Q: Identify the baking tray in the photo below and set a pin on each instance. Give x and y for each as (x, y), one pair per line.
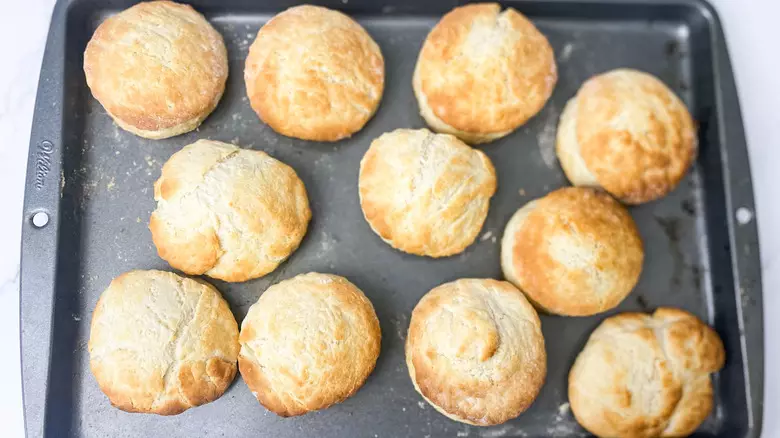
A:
(94, 181)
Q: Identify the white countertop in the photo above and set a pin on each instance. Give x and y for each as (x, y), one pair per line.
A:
(752, 34)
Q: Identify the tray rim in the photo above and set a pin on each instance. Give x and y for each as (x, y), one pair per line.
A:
(39, 247)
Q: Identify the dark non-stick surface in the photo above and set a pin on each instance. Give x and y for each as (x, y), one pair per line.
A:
(107, 197)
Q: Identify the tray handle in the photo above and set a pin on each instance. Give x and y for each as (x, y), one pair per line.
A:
(741, 222)
(40, 230)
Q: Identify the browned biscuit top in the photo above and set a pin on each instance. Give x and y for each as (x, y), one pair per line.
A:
(635, 135)
(156, 65)
(160, 343)
(314, 73)
(576, 251)
(475, 351)
(484, 71)
(645, 375)
(309, 342)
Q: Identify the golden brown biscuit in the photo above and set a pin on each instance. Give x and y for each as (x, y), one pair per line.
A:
(161, 344)
(158, 68)
(573, 252)
(475, 351)
(482, 73)
(646, 376)
(315, 74)
(425, 193)
(230, 213)
(309, 342)
(627, 132)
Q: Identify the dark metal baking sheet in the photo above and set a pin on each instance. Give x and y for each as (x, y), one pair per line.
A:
(95, 182)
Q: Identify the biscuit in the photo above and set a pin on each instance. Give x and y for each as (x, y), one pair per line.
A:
(160, 343)
(315, 74)
(482, 73)
(626, 132)
(230, 213)
(645, 375)
(475, 351)
(573, 252)
(309, 342)
(424, 193)
(158, 68)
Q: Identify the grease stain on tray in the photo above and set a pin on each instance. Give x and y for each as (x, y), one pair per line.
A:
(563, 423)
(400, 324)
(488, 236)
(688, 207)
(566, 51)
(671, 228)
(545, 139)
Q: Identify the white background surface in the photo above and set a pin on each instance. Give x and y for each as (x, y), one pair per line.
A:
(752, 33)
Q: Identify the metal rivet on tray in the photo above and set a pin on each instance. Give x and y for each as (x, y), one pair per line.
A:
(40, 219)
(744, 215)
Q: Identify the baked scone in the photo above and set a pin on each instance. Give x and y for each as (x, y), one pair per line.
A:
(645, 375)
(475, 351)
(482, 73)
(424, 193)
(230, 213)
(626, 132)
(309, 342)
(573, 252)
(315, 74)
(158, 68)
(160, 343)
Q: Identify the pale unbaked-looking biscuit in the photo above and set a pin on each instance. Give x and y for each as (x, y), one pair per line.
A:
(482, 73)
(573, 252)
(627, 132)
(475, 351)
(309, 342)
(158, 68)
(315, 74)
(230, 213)
(646, 376)
(160, 343)
(424, 193)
